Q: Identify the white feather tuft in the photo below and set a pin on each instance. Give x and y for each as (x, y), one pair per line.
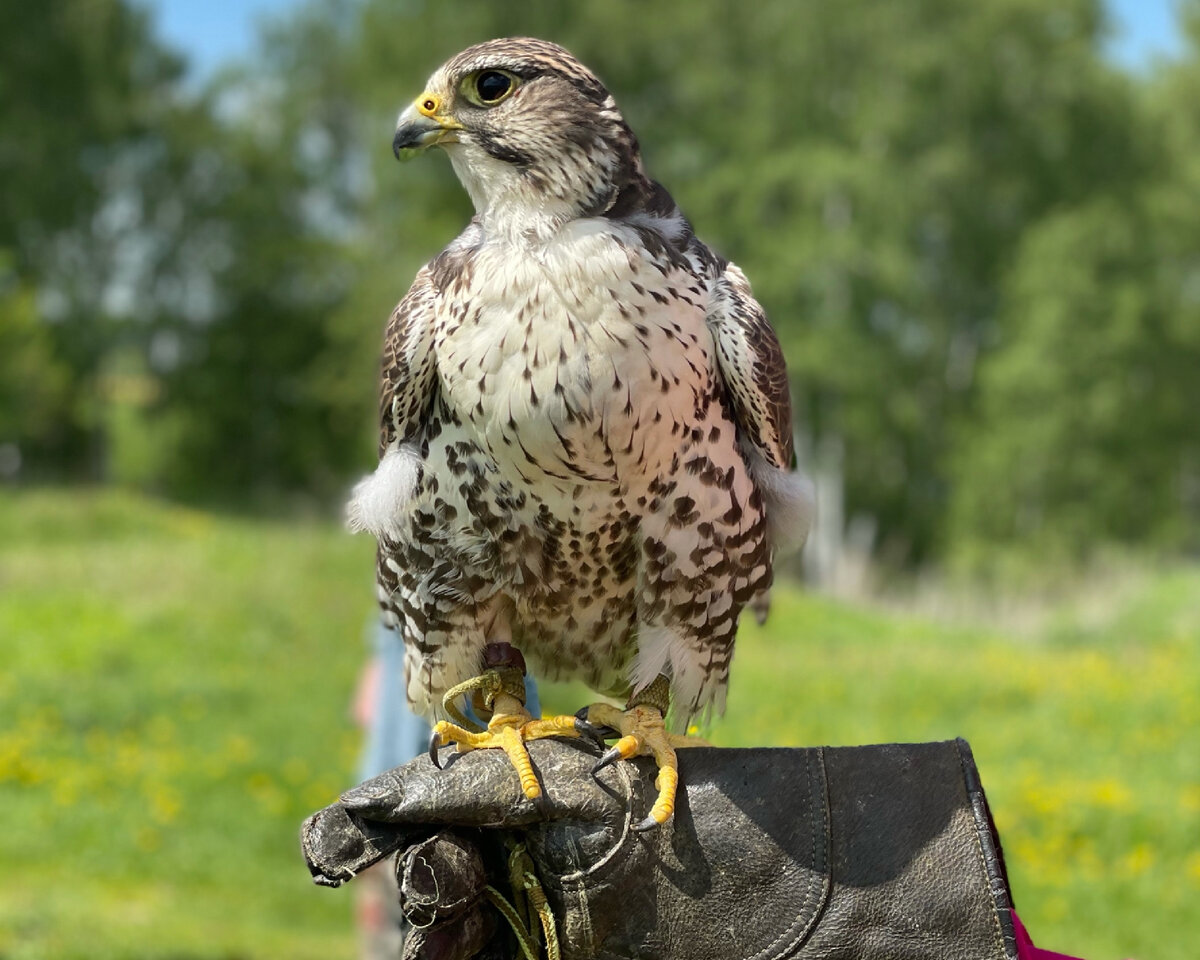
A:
(694, 689)
(790, 501)
(656, 648)
(377, 504)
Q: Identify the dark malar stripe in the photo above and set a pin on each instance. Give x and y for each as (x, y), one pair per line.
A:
(502, 152)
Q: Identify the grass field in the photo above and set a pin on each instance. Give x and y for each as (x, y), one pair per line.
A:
(173, 701)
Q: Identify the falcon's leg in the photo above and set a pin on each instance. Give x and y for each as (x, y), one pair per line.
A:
(643, 734)
(511, 726)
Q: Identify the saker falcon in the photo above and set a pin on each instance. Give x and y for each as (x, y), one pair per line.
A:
(586, 448)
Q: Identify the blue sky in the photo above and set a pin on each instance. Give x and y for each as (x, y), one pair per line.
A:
(212, 31)
(1146, 28)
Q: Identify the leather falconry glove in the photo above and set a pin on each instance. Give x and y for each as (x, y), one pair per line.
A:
(877, 853)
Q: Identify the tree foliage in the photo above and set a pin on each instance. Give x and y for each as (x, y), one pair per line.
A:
(1087, 425)
(81, 81)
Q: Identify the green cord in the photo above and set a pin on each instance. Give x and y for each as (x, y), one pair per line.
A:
(531, 901)
(467, 686)
(494, 682)
(524, 941)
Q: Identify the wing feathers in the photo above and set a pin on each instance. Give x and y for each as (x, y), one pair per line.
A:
(752, 367)
(409, 365)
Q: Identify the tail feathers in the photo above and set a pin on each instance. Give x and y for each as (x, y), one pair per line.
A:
(760, 606)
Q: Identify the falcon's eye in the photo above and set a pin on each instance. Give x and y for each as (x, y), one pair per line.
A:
(492, 86)
(488, 87)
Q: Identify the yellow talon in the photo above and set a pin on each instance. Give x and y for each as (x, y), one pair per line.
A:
(628, 747)
(643, 734)
(509, 729)
(550, 727)
(513, 745)
(667, 783)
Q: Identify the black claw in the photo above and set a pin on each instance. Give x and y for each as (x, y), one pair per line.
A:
(589, 731)
(586, 728)
(611, 756)
(435, 741)
(647, 825)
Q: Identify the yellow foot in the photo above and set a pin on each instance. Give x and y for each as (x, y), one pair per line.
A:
(643, 734)
(508, 731)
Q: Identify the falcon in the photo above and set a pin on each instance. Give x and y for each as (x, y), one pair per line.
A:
(586, 452)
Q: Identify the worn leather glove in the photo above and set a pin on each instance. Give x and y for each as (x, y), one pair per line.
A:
(849, 852)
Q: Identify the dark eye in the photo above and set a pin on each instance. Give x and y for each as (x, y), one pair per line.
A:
(492, 86)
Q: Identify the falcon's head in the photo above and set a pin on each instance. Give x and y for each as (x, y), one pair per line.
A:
(531, 132)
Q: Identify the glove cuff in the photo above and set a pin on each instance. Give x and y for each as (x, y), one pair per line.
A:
(851, 852)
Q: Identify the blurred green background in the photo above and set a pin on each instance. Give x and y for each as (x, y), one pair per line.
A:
(977, 231)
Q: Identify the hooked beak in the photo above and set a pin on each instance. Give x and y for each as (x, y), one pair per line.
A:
(418, 129)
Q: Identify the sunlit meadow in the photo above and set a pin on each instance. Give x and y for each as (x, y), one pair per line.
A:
(174, 694)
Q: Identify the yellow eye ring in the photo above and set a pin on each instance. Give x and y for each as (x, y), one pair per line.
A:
(486, 88)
